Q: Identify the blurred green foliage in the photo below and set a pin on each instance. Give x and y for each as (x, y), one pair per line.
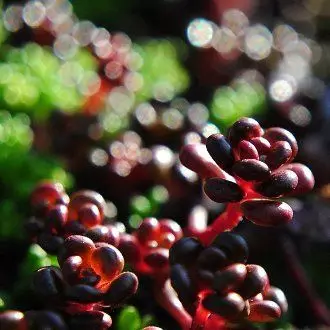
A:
(130, 319)
(243, 100)
(20, 170)
(34, 80)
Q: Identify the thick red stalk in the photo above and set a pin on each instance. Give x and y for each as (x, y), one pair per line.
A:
(201, 314)
(215, 322)
(168, 299)
(228, 220)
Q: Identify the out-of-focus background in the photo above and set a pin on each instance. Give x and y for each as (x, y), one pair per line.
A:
(102, 94)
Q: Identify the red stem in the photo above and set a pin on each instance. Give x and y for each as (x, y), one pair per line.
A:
(168, 299)
(215, 322)
(201, 315)
(228, 220)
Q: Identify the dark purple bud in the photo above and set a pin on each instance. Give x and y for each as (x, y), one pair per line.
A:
(306, 179)
(268, 213)
(206, 276)
(220, 150)
(275, 134)
(45, 320)
(255, 282)
(185, 251)
(50, 243)
(279, 154)
(229, 278)
(212, 259)
(279, 184)
(223, 191)
(228, 306)
(244, 129)
(251, 170)
(34, 227)
(123, 287)
(182, 284)
(48, 282)
(74, 227)
(233, 245)
(57, 218)
(107, 234)
(71, 269)
(83, 294)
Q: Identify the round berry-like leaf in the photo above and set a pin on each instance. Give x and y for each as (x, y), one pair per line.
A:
(268, 213)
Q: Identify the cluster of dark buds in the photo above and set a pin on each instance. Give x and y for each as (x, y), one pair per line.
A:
(201, 278)
(48, 319)
(90, 278)
(147, 252)
(217, 287)
(57, 216)
(147, 249)
(249, 169)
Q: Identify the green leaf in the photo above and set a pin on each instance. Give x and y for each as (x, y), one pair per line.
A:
(129, 319)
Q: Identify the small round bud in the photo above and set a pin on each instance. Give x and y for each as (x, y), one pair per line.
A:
(148, 230)
(76, 245)
(278, 296)
(264, 311)
(212, 259)
(275, 134)
(279, 154)
(107, 261)
(89, 215)
(246, 150)
(233, 245)
(255, 281)
(229, 278)
(185, 251)
(80, 198)
(306, 179)
(244, 129)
